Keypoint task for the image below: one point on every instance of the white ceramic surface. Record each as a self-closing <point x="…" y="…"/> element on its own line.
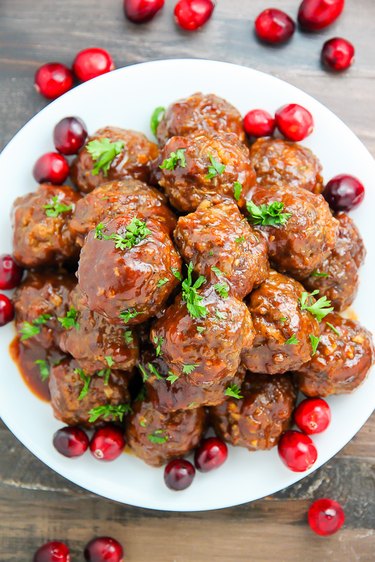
<point x="126" y="98"/>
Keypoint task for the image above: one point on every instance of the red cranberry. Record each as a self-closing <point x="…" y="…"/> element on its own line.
<point x="6" y="310"/>
<point x="316" y="14"/>
<point x="274" y="26"/>
<point x="338" y="54"/>
<point x="90" y="63"/>
<point x="313" y="415"/>
<point x="140" y="11"/>
<point x="179" y="474"/>
<point x="53" y="79"/>
<point x="107" y="443"/>
<point x="344" y="193"/>
<point x="53" y="551"/>
<point x="325" y="516"/>
<point x="294" y="122"/>
<point x="192" y="14"/>
<point x="259" y="123"/>
<point x="297" y="451"/>
<point x="71" y="441"/>
<point x="69" y="135"/>
<point x="210" y="454"/>
<point x="103" y="549"/>
<point x="10" y="272"/>
<point x="51" y="168"/>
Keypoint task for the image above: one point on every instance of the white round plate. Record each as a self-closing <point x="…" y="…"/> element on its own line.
<point x="126" y="98"/>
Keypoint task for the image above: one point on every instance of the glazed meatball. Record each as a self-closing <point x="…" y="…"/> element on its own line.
<point x="307" y="235"/>
<point x="95" y="343"/>
<point x="131" y="154"/>
<point x="40" y="226"/>
<point x="118" y="197"/>
<point x="203" y="166"/>
<point x="222" y="246"/>
<point x="128" y="284"/>
<point x="264" y="411"/>
<point x="282" y="328"/>
<point x="73" y="404"/>
<point x="157" y="438"/>
<point x="342" y="360"/>
<point x="200" y="112"/>
<point x="205" y="350"/>
<point x="279" y="162"/>
<point x="337" y="277"/>
<point x="39" y="301"/>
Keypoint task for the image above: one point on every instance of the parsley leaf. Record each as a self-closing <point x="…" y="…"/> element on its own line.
<point x="267" y="215"/>
<point x="30" y="329"/>
<point x="176" y="273"/>
<point x="175" y="158"/>
<point x="319" y="274"/>
<point x="200" y="329"/>
<point x="283" y="319"/>
<point x="129" y="314"/>
<point x="233" y="391"/>
<point x="158" y="341"/>
<point x="105" y="373"/>
<point x="222" y="290"/>
<point x="86" y="383"/>
<point x="43" y="368"/>
<point x="154" y="371"/>
<point x="190" y="294"/>
<point x="156" y="117"/>
<point x="319" y="308"/>
<point x="144" y="373"/>
<point x="109" y="360"/>
<point x="314" y="340"/>
<point x="128" y="337"/>
<point x="133" y="234"/>
<point x="240" y="240"/>
<point x="217" y="271"/>
<point x="333" y="328"/>
<point x="171" y="377"/>
<point x="54" y="208"/>
<point x="187" y="369"/>
<point x="292" y="340"/>
<point x="162" y="282"/>
<point x="158" y="437"/>
<point x="70" y="319"/>
<point x="103" y="152"/>
<point x="107" y="410"/>
<point x="237" y="190"/>
<point x="216" y="168"/>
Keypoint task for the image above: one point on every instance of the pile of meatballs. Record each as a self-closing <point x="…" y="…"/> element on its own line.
<point x="199" y="322"/>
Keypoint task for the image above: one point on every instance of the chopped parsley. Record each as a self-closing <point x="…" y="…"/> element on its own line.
<point x="333" y="328"/>
<point x="103" y="152"/>
<point x="70" y="319"/>
<point x="222" y="290"/>
<point x="158" y="341"/>
<point x="171" y="377"/>
<point x="154" y="371"/>
<point x="158" y="437"/>
<point x="217" y="271"/>
<point x="86" y="379"/>
<point x="267" y="215"/>
<point x="142" y="422"/>
<point x="133" y="234"/>
<point x="30" y="329"/>
<point x="43" y="368"/>
<point x="190" y="294"/>
<point x="54" y="208"/>
<point x="200" y="329"/>
<point x="129" y="314"/>
<point x="128" y="337"/>
<point x="216" y="168"/>
<point x="192" y="405"/>
<point x="108" y="410"/>
<point x="314" y="340"/>
<point x="283" y="319"/>
<point x="237" y="190"/>
<point x="109" y="360"/>
<point x="144" y="373"/>
<point x="188" y="368"/>
<point x="240" y="240"/>
<point x="162" y="282"/>
<point x="319" y="274"/>
<point x="292" y="340"/>
<point x="105" y="373"/>
<point x="233" y="391"/>
<point x="319" y="308"/>
<point x="156" y="117"/>
<point x="175" y="158"/>
<point x="176" y="273"/>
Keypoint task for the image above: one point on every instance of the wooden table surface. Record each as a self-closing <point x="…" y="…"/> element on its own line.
<point x="38" y="505"/>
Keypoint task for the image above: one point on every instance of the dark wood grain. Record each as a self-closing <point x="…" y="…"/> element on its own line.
<point x="37" y="504"/>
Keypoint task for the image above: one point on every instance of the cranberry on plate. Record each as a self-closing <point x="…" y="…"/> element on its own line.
<point x="274" y="26"/>
<point x="317" y="14"/>
<point x="193" y="14"/>
<point x="294" y="122"/>
<point x="107" y="443"/>
<point x="53" y="551"/>
<point x="312" y="415"/>
<point x="179" y="474"/>
<point x="259" y="123"/>
<point x="69" y="135"/>
<point x="210" y="454"/>
<point x="297" y="451"/>
<point x="6" y="310"/>
<point x="344" y="193"/>
<point x="51" y="168"/>
<point x="338" y="54"/>
<point x="103" y="549"/>
<point x="325" y="516"/>
<point x="10" y="272"/>
<point x="71" y="441"/>
<point x="140" y="11"/>
<point x="93" y="62"/>
<point x="53" y="79"/>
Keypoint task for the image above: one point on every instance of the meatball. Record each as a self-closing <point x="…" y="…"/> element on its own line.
<point x="283" y="163"/>
<point x="222" y="246"/>
<point x="39" y="302"/>
<point x="337" y="277"/>
<point x="342" y="360"/>
<point x="205" y="350"/>
<point x="203" y="166"/>
<point x="264" y="411"/>
<point x="40" y="223"/>
<point x="118" y="197"/>
<point x="95" y="343"/>
<point x="129" y="157"/>
<point x="282" y="328"/>
<point x="156" y="437"/>
<point x="200" y="112"/>
<point x="76" y="397"/>
<point x="307" y="234"/>
<point x="126" y="269"/>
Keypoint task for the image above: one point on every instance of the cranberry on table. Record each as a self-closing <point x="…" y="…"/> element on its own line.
<point x="297" y="451"/>
<point x="51" y="168"/>
<point x="317" y="14"/>
<point x="6" y="310"/>
<point x="179" y="474"/>
<point x="53" y="79"/>
<point x="294" y="122"/>
<point x="259" y="123"/>
<point x="71" y="441"/>
<point x="313" y="415"/>
<point x="338" y="54"/>
<point x="210" y="454"/>
<point x="274" y="26"/>
<point x="69" y="135"/>
<point x="103" y="549"/>
<point x="140" y="11"/>
<point x="344" y="193"/>
<point x="53" y="551"/>
<point x="107" y="443"/>
<point x="325" y="516"/>
<point x="193" y="14"/>
<point x="93" y="62"/>
<point x="10" y="272"/>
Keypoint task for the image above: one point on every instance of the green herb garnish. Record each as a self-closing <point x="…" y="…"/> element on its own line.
<point x="103" y="152"/>
<point x="70" y="319"/>
<point x="216" y="168"/>
<point x="190" y="294"/>
<point x="133" y="234"/>
<point x="86" y="383"/>
<point x="175" y="158"/>
<point x="162" y="282"/>
<point x="107" y="410"/>
<point x="292" y="340"/>
<point x="333" y="328"/>
<point x="128" y="337"/>
<point x="233" y="391"/>
<point x="144" y="373"/>
<point x="237" y="190"/>
<point x="156" y="117"/>
<point x="129" y="314"/>
<point x="188" y="368"/>
<point x="217" y="271"/>
<point x="220" y="315"/>
<point x="200" y="329"/>
<point x="171" y="377"/>
<point x="267" y="215"/>
<point x="222" y="290"/>
<point x="158" y="341"/>
<point x="109" y="360"/>
<point x="105" y="373"/>
<point x="43" y="368"/>
<point x="54" y="208"/>
<point x="154" y="371"/>
<point x="314" y="340"/>
<point x="30" y="329"/>
<point x="158" y="437"/>
<point x="319" y="274"/>
<point x="240" y="240"/>
<point x="319" y="308"/>
<point x="176" y="273"/>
